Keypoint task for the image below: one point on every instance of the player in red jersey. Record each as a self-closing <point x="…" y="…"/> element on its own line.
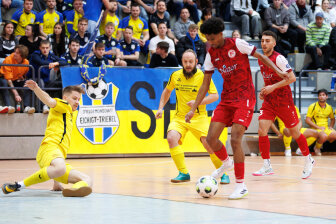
<point x="278" y="101"/>
<point x="230" y="57"/>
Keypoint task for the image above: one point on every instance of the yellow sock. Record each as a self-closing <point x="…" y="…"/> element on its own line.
<point x="287" y="141"/>
<point x="215" y="160"/>
<point x="177" y="155"/>
<point x="80" y="184"/>
<point x="311" y="140"/>
<point x="318" y="145"/>
<point x="38" y="177"/>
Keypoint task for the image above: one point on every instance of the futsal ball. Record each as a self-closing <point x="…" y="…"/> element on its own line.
<point x="207" y="186"/>
<point x="97" y="91"/>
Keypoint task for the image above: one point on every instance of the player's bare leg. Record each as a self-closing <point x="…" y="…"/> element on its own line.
<point x="177" y="155"/>
<point x="302" y="142"/>
<point x="82" y="185"/>
<point x="320" y="137"/>
<point x="225" y="179"/>
<point x="264" y="148"/>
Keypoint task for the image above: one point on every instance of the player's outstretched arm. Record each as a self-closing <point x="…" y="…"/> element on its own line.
<point x="163" y="100"/>
<point x="42" y="95"/>
<point x="270" y="64"/>
<point x="200" y="96"/>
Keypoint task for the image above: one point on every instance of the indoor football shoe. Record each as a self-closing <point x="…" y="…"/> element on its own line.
<point x="226" y="166"/>
<point x="9" y="188"/>
<point x="265" y="170"/>
<point x="181" y="178"/>
<point x="225" y="179"/>
<point x="77" y="192"/>
<point x="308" y="167"/>
<point x="240" y="192"/>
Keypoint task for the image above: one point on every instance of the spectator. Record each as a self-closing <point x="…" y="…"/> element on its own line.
<point x="223" y="8"/>
<point x="31" y="39"/>
<point x="162" y="58"/>
<point x="40" y="5"/>
<point x="206" y="14"/>
<point x="92" y="11"/>
<point x="162" y="36"/>
<point x="48" y="18"/>
<point x="329" y="15"/>
<point x="58" y="40"/>
<point x="179" y="5"/>
<point x="8" y="41"/>
<point x="64" y="7"/>
<point x="15" y="77"/>
<point x="236" y="34"/>
<point x="129" y="48"/>
<point x="22" y="17"/>
<point x="124" y="8"/>
<point x="146" y="8"/>
<point x="82" y="34"/>
<point x="277" y="20"/>
<point x="262" y="6"/>
<point x="317" y="36"/>
<point x="110" y="16"/>
<point x="242" y="15"/>
<point x="98" y="58"/>
<point x="72" y="57"/>
<point x="73" y="16"/>
<point x="7" y="4"/>
<point x="140" y="27"/>
<point x="300" y="16"/>
<point x="158" y="17"/>
<point x="44" y="56"/>
<point x="193" y="42"/>
<point x="332" y="43"/>
<point x="112" y="51"/>
<point x="181" y="26"/>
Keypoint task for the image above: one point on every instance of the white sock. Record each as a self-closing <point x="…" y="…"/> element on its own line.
<point x="240" y="185"/>
<point x="21" y="184"/>
<point x="267" y="162"/>
<point x="307" y="157"/>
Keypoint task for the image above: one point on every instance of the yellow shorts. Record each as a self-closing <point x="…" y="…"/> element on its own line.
<point x="327" y="131"/>
<point x="302" y="130"/>
<point x="198" y="127"/>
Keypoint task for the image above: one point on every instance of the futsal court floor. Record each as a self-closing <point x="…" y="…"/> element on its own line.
<point x="138" y="190"/>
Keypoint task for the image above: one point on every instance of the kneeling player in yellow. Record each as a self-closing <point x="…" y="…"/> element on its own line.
<point x="55" y="144"/>
<point x="186" y="83"/>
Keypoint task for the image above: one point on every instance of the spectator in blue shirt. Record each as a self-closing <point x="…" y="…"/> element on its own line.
<point x="129" y="48"/>
<point x="72" y="57"/>
<point x="98" y="58"/>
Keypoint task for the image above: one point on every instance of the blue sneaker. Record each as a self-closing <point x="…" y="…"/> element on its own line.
<point x="181" y="178"/>
<point x="225" y="179"/>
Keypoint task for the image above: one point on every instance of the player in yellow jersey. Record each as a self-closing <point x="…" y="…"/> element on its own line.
<point x="317" y="118"/>
<point x="186" y="83"/>
<point x="310" y="134"/>
<point x="55" y="144"/>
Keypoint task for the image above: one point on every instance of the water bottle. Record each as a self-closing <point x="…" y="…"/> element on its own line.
<point x="18" y="107"/>
<point x="333" y="81"/>
<point x="296" y="50"/>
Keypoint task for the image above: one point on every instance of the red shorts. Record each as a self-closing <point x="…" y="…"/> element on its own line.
<point x="287" y="114"/>
<point x="228" y="115"/>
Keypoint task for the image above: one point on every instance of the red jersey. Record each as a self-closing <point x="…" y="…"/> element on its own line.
<point x="281" y="96"/>
<point x="232" y="62"/>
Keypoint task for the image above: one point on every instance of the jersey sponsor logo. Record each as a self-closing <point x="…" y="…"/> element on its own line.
<point x="97" y="119"/>
<point x="267" y="76"/>
<point x="229" y="69"/>
<point x="231" y="53"/>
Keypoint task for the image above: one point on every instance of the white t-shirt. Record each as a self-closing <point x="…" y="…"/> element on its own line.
<point x="155" y="40"/>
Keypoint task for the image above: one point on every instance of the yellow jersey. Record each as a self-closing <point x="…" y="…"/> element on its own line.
<point x="109" y="18"/>
<point x="281" y="124"/>
<point x="139" y="25"/>
<point x="320" y="115"/>
<point x="59" y="126"/>
<point x="187" y="90"/>
<point x="22" y="19"/>
<point x="48" y="20"/>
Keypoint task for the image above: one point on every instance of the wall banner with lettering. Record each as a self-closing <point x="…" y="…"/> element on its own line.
<point x="117" y="115"/>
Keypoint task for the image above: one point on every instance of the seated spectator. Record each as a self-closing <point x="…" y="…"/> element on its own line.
<point x="223" y="9"/>
<point x="48" y="78"/>
<point x="124" y="8"/>
<point x="72" y="57"/>
<point x="48" y="18"/>
<point x="162" y="58"/>
<point x="140" y="27"/>
<point x="300" y="16"/>
<point x="110" y="16"/>
<point x="317" y="44"/>
<point x="182" y="24"/>
<point x="82" y="34"/>
<point x="73" y="16"/>
<point x="246" y="18"/>
<point x="236" y="34"/>
<point x="7" y="4"/>
<point x="263" y="5"/>
<point x="206" y="14"/>
<point x="15" y="77"/>
<point x="129" y="48"/>
<point x="277" y="21"/>
<point x="58" y="40"/>
<point x="98" y="58"/>
<point x="146" y="8"/>
<point x="158" y="17"/>
<point x="190" y="5"/>
<point x="329" y="15"/>
<point x="193" y="42"/>
<point x="64" y="7"/>
<point x="332" y="43"/>
<point x="22" y="17"/>
<point x="8" y="41"/>
<point x="112" y="51"/>
<point x="31" y="38"/>
<point x="162" y="36"/>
